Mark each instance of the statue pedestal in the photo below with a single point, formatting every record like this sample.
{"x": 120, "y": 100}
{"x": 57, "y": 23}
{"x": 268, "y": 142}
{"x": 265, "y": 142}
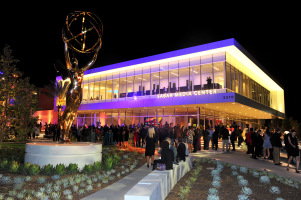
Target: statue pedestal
{"x": 81, "y": 153}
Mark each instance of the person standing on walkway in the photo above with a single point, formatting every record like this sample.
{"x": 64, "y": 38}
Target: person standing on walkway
{"x": 190, "y": 135}
{"x": 267, "y": 144}
{"x": 181, "y": 150}
{"x": 211, "y": 131}
{"x": 254, "y": 138}
{"x": 233, "y": 138}
{"x": 239, "y": 135}
{"x": 215, "y": 139}
{"x": 150, "y": 145}
{"x": 206, "y": 138}
{"x": 276, "y": 143}
{"x": 293, "y": 150}
{"x": 225, "y": 136}
{"x": 196, "y": 138}
{"x": 249, "y": 140}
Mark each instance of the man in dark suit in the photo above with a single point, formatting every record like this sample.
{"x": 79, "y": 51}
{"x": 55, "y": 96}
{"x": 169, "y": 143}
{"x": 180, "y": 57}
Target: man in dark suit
{"x": 254, "y": 143}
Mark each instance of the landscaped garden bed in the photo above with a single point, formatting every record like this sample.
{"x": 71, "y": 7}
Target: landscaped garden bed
{"x": 27, "y": 181}
{"x": 211, "y": 179}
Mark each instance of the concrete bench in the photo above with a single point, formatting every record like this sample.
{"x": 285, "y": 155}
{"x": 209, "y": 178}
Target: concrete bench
{"x": 157, "y": 184}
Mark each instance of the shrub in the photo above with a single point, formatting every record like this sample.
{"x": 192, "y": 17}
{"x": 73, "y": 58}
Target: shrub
{"x": 88, "y": 169}
{"x": 243, "y": 182}
{"x": 14, "y": 167}
{"x": 72, "y": 168}
{"x": 97, "y": 166}
{"x": 243, "y": 169}
{"x": 264, "y": 179}
{"x": 34, "y": 170}
{"x": 48, "y": 169}
{"x": 4, "y": 164}
{"x": 213, "y": 191}
{"x": 60, "y": 169}
{"x": 55, "y": 177}
{"x": 246, "y": 191}
{"x": 109, "y": 163}
{"x": 212, "y": 197}
{"x": 216, "y": 184}
{"x": 26, "y": 167}
{"x": 274, "y": 190}
{"x": 116, "y": 159}
{"x": 42, "y": 180}
{"x": 6, "y": 180}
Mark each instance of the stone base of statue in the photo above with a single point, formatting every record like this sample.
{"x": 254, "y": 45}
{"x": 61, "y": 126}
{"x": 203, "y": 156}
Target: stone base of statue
{"x": 80, "y": 153}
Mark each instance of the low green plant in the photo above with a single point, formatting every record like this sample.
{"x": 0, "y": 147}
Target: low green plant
{"x": 97, "y": 166}
{"x": 4, "y": 164}
{"x": 48, "y": 169}
{"x": 60, "y": 169}
{"x": 14, "y": 167}
{"x": 72, "y": 168}
{"x": 34, "y": 169}
{"x": 88, "y": 169}
{"x": 116, "y": 159}
{"x": 25, "y": 168}
{"x": 108, "y": 163}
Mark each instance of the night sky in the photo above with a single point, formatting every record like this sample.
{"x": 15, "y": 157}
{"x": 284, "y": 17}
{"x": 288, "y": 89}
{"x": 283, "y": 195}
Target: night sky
{"x": 271, "y": 33}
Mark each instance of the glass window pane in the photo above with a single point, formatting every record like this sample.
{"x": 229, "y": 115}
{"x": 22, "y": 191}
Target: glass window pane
{"x": 102, "y": 90}
{"x": 197, "y": 77}
{"x": 163, "y": 82}
{"x": 130, "y": 89}
{"x": 206, "y": 71}
{"x": 184, "y": 79}
{"x": 218, "y": 75}
{"x": 184, "y": 63}
{"x": 174, "y": 65}
{"x": 228, "y": 76}
{"x": 219, "y": 57}
{"x": 137, "y": 85}
{"x": 91, "y": 91}
{"x": 115, "y": 88}
{"x": 173, "y": 80}
{"x": 195, "y": 61}
{"x": 154, "y": 68}
{"x": 109, "y": 90}
{"x": 122, "y": 87}
{"x": 146, "y": 84}
{"x": 206, "y": 59}
{"x": 155, "y": 82}
{"x": 138, "y": 71}
{"x": 85, "y": 91}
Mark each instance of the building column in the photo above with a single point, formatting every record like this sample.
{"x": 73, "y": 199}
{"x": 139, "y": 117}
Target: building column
{"x": 118, "y": 121}
{"x": 198, "y": 117}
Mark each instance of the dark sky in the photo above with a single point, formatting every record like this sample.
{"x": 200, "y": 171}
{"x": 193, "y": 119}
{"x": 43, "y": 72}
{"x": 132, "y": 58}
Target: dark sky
{"x": 271, "y": 33}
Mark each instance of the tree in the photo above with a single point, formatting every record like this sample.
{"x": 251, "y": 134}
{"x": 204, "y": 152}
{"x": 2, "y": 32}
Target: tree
{"x": 18, "y": 99}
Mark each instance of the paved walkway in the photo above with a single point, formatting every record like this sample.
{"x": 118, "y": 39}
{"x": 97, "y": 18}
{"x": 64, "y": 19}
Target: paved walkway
{"x": 240, "y": 157}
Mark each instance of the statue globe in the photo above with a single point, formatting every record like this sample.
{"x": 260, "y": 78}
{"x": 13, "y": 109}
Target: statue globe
{"x": 83, "y": 32}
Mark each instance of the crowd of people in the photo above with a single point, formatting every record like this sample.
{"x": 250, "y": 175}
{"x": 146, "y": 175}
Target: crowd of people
{"x": 261, "y": 142}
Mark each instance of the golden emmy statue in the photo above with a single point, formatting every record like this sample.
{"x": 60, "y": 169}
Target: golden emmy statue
{"x": 82, "y": 34}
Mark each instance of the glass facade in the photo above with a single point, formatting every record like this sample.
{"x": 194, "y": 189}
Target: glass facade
{"x": 200, "y": 73}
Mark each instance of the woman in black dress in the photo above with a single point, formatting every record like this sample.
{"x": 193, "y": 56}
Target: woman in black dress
{"x": 293, "y": 150}
{"x": 150, "y": 145}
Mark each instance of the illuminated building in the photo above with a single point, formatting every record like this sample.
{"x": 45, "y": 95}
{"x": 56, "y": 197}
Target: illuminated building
{"x": 210, "y": 83}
